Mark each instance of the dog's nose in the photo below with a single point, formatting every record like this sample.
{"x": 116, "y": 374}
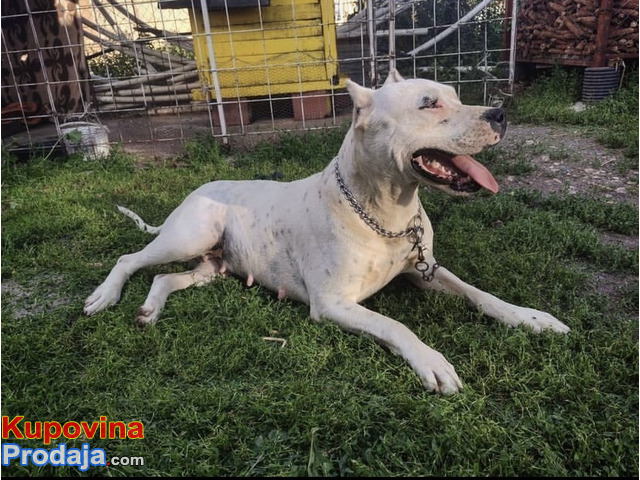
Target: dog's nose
{"x": 497, "y": 118}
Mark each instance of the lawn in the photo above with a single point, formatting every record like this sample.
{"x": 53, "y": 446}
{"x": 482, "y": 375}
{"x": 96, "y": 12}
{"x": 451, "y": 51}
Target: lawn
{"x": 217, "y": 399}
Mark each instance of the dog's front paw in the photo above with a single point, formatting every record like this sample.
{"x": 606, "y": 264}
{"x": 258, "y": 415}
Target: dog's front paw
{"x": 147, "y": 315}
{"x": 539, "y": 321}
{"x": 435, "y": 372}
{"x": 101, "y": 298}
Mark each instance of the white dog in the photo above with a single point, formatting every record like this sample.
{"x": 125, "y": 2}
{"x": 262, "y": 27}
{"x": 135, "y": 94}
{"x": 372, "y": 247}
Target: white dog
{"x": 335, "y": 238}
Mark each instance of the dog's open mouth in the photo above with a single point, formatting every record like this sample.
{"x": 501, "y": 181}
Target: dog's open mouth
{"x": 460, "y": 173}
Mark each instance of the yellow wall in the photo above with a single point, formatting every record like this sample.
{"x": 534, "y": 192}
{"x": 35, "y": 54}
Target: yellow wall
{"x": 287, "y": 47}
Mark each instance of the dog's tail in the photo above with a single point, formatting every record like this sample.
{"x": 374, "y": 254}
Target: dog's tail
{"x": 142, "y": 225}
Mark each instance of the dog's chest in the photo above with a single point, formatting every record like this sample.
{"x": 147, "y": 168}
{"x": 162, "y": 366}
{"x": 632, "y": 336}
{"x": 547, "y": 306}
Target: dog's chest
{"x": 367, "y": 269}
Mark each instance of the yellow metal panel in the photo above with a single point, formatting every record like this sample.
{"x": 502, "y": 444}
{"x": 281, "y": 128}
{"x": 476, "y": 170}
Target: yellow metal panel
{"x": 330, "y": 41}
{"x": 287, "y": 47}
{"x": 280, "y": 76}
{"x": 301, "y": 59}
{"x": 258, "y": 91}
{"x": 308, "y": 29}
{"x": 276, "y": 12}
{"x": 269, "y": 48}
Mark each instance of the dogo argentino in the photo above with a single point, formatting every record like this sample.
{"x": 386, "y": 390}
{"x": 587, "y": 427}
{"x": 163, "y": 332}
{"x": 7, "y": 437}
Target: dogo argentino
{"x": 335, "y": 238}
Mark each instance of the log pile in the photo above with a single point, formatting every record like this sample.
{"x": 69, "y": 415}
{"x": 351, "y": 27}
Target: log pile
{"x": 623, "y": 33}
{"x": 163, "y": 78}
{"x": 567, "y": 29}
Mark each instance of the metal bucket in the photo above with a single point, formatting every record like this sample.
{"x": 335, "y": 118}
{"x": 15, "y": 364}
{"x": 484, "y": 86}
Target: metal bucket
{"x": 93, "y": 139}
{"x": 599, "y": 83}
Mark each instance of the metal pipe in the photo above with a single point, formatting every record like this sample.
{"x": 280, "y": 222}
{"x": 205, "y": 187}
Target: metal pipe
{"x": 392, "y": 34}
{"x": 371, "y": 24}
{"x": 452, "y": 28}
{"x": 213, "y": 69}
{"x": 512, "y": 46}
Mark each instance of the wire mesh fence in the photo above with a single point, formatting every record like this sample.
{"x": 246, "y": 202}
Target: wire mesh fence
{"x": 155, "y": 73}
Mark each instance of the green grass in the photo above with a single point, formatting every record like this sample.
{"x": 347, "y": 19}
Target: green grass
{"x": 613, "y": 121}
{"x": 217, "y": 399}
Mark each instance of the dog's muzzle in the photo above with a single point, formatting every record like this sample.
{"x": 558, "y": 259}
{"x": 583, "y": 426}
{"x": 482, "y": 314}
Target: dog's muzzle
{"x": 461, "y": 173}
{"x": 497, "y": 119}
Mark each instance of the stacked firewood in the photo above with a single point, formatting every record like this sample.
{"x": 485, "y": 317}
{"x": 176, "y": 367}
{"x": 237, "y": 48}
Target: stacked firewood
{"x": 623, "y": 33}
{"x": 568, "y": 28}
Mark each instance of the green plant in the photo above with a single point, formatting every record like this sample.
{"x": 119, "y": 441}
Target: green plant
{"x": 114, "y": 64}
{"x": 613, "y": 120}
{"x": 74, "y": 136}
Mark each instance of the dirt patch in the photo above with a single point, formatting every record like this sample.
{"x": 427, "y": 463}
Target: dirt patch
{"x": 565, "y": 161}
{"x": 37, "y": 296}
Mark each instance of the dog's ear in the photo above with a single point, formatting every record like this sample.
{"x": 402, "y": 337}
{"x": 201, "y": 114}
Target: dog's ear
{"x": 394, "y": 77}
{"x": 362, "y": 99}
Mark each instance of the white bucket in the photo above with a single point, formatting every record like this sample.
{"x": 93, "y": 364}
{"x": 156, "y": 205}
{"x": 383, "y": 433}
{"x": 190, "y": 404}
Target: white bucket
{"x": 93, "y": 141}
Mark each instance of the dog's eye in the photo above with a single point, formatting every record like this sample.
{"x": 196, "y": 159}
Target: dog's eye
{"x": 428, "y": 102}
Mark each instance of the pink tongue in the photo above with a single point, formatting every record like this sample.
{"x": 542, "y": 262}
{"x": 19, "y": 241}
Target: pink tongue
{"x": 477, "y": 171}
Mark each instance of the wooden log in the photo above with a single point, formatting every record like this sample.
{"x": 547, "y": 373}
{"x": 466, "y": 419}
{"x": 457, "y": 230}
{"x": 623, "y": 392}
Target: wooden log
{"x": 143, "y": 26}
{"x": 185, "y": 77}
{"x": 110, "y": 107}
{"x": 588, "y": 21}
{"x": 139, "y": 51}
{"x": 625, "y": 12}
{"x": 620, "y": 32}
{"x": 110, "y": 35}
{"x": 106, "y": 88}
{"x": 105, "y": 13}
{"x": 152, "y": 78}
{"x": 152, "y": 90}
{"x": 573, "y": 28}
{"x": 556, "y": 7}
{"x": 556, "y": 35}
{"x": 138, "y": 100}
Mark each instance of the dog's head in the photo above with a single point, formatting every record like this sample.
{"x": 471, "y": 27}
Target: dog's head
{"x": 427, "y": 132}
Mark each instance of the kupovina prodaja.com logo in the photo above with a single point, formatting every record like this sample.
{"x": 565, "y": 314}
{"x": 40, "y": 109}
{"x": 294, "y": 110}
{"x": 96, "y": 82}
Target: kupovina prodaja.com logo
{"x": 61, "y": 455}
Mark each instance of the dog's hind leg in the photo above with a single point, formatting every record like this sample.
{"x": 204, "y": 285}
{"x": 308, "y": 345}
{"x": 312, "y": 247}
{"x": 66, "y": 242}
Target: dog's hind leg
{"x": 165, "y": 284}
{"x": 191, "y": 231}
{"x": 108, "y": 293}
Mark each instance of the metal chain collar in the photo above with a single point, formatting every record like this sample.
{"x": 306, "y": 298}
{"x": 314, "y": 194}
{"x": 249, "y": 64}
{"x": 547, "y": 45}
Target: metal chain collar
{"x": 415, "y": 232}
